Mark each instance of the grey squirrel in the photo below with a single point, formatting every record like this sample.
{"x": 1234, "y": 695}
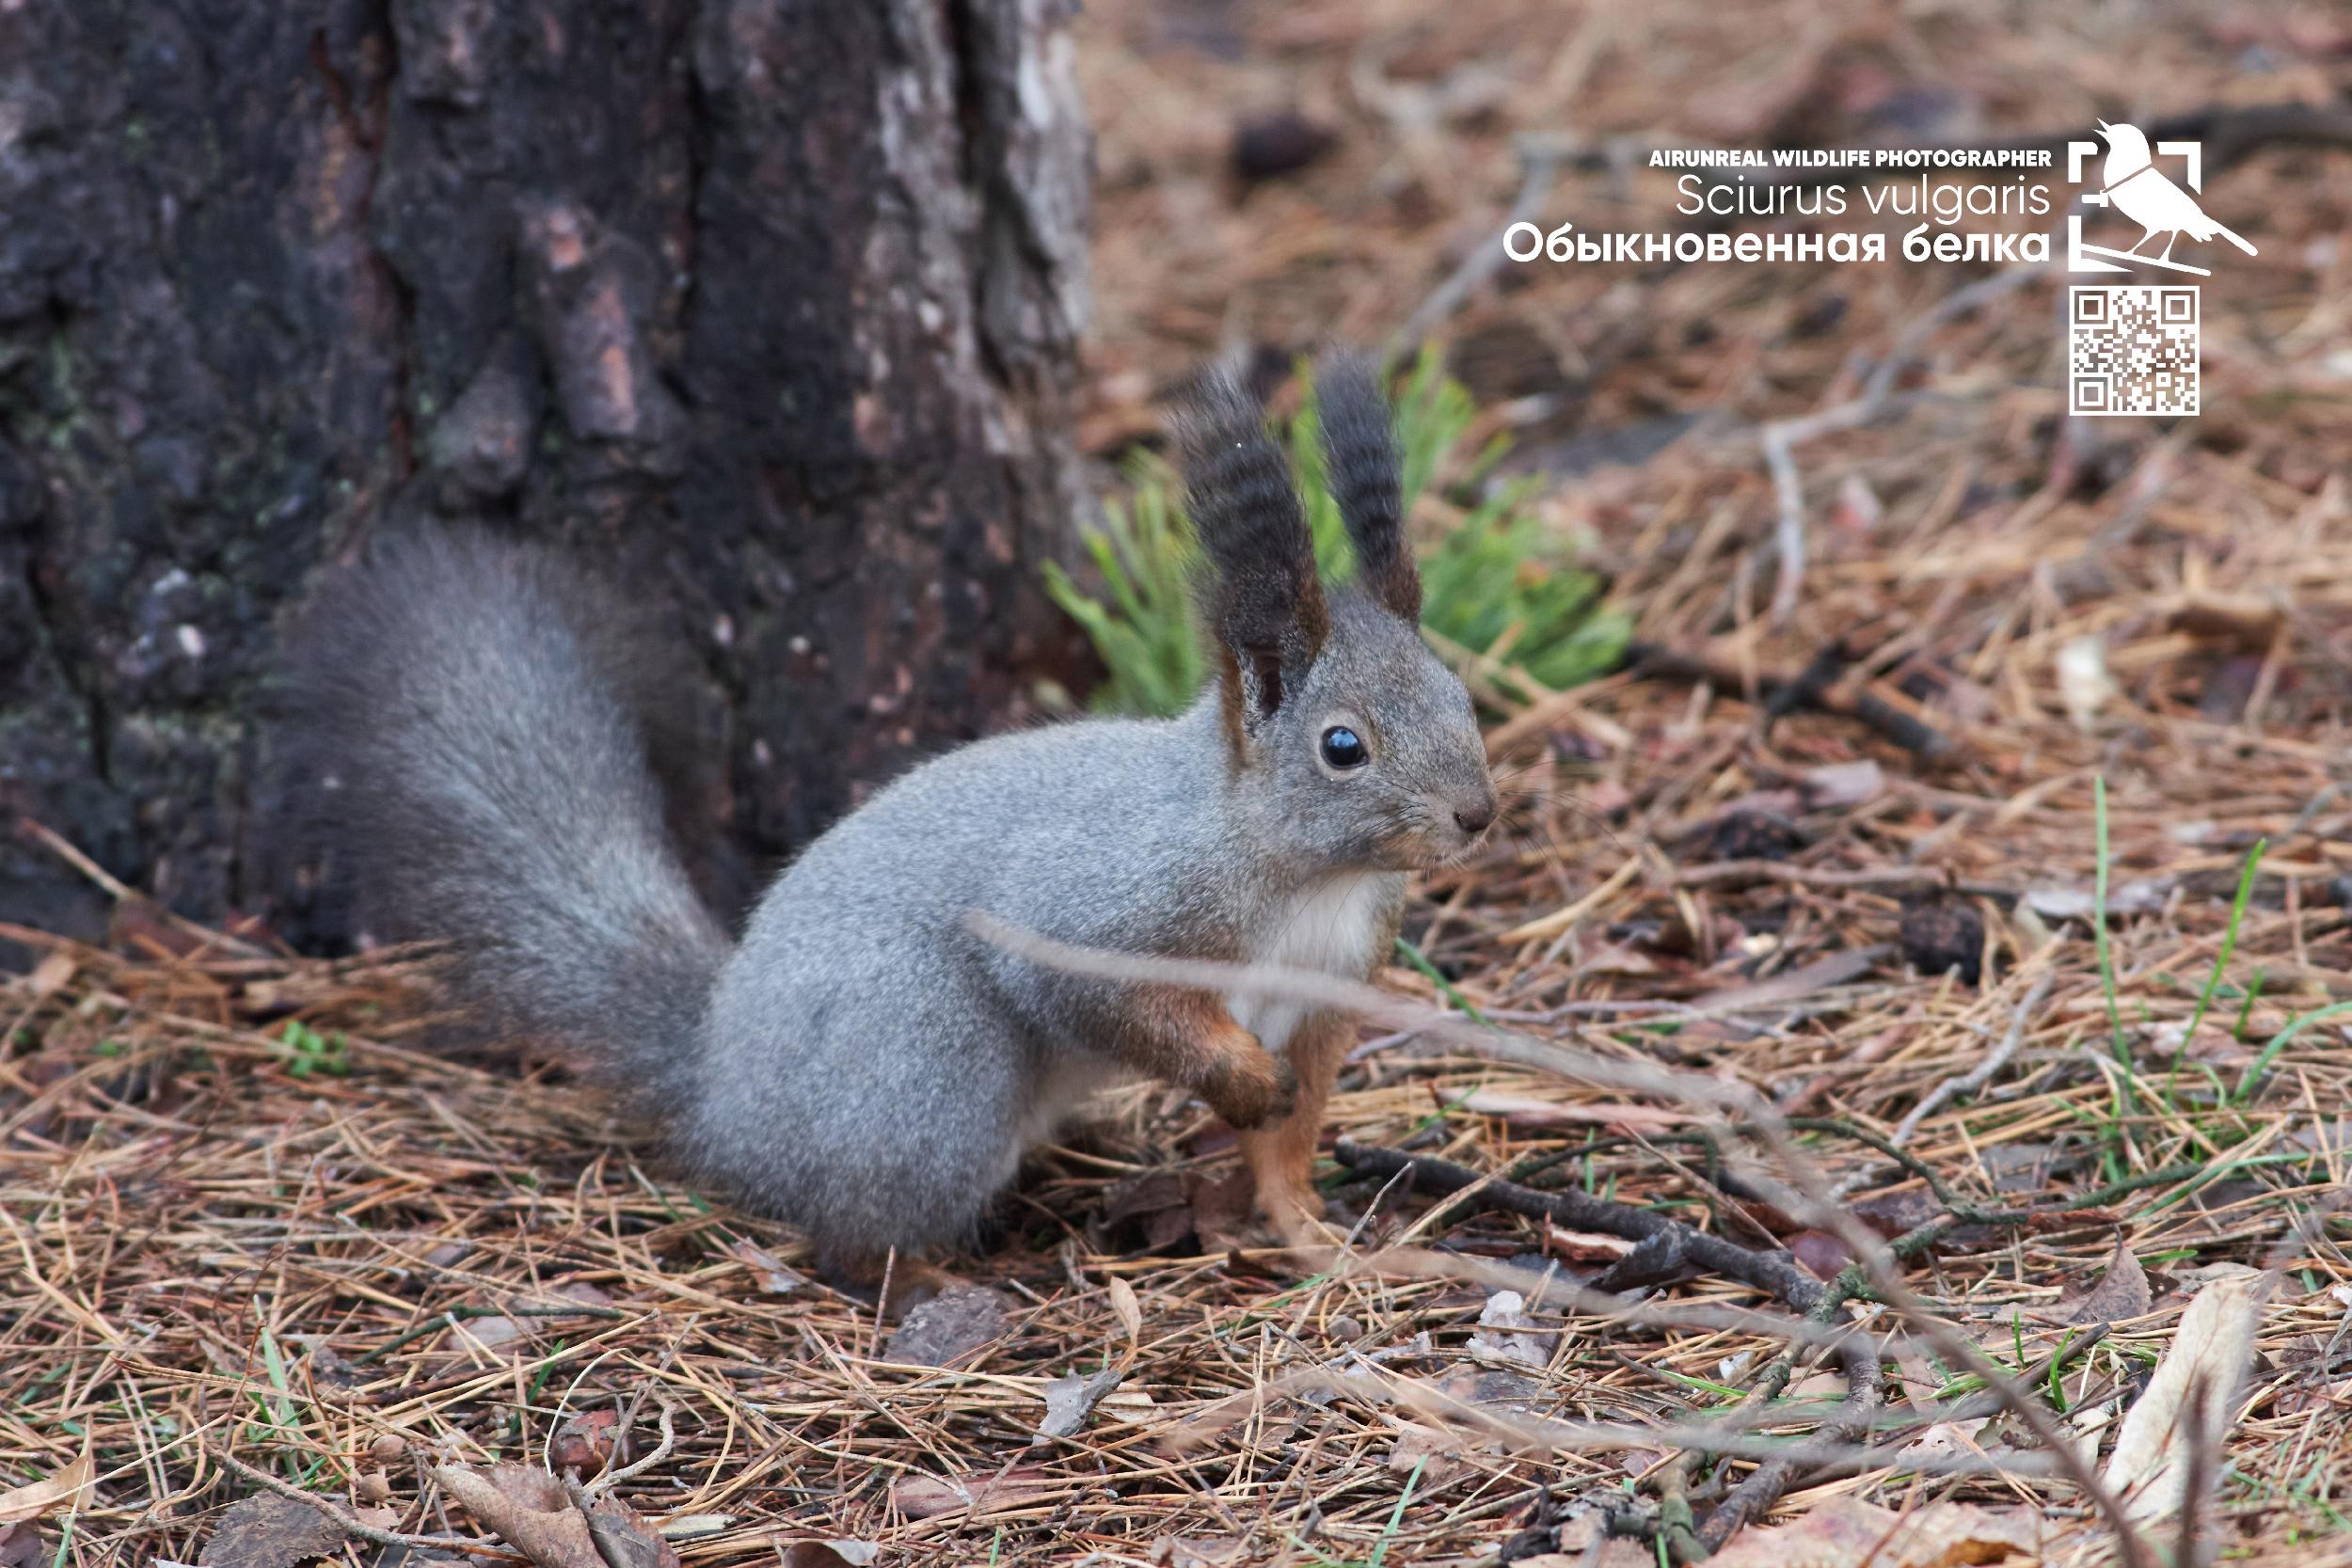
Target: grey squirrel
{"x": 478, "y": 735}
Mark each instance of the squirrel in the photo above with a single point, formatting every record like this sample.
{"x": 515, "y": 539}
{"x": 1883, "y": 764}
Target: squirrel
{"x": 480, "y": 744}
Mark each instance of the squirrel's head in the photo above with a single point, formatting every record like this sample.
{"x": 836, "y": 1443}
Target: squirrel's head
{"x": 1367, "y": 744}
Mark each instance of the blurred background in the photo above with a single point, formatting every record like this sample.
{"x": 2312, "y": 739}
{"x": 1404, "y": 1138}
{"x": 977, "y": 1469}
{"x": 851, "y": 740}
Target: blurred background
{"x": 834, "y": 328}
{"x": 1764, "y": 465}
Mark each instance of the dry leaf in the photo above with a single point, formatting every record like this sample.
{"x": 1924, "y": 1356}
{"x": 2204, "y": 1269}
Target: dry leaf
{"x": 1130, "y": 1310}
{"x": 51, "y": 975}
{"x": 1165, "y": 1228}
{"x": 525, "y": 1507}
{"x": 1506, "y": 1310}
{"x": 1221, "y": 1210}
{"x": 1437, "y": 1453}
{"x": 1068, "y": 1400}
{"x": 21, "y": 1546}
{"x": 1896, "y": 1213}
{"x": 1943, "y": 1440}
{"x": 67, "y": 1490}
{"x": 2212, "y": 1348}
{"x": 529, "y": 1510}
{"x": 1186, "y": 1551}
{"x": 1498, "y": 1388}
{"x": 831, "y": 1554}
{"x": 2303, "y": 1401}
{"x": 2141, "y": 896}
{"x": 920, "y": 1496}
{"x": 2121, "y": 1293}
{"x": 1843, "y": 784}
{"x": 1612, "y": 957}
{"x": 583, "y": 1443}
{"x": 1848, "y": 1532}
{"x": 949, "y": 1326}
{"x": 1821, "y": 1254}
{"x": 770, "y": 1271}
{"x": 483, "y": 1334}
{"x": 495, "y": 1332}
{"x": 266, "y": 1531}
{"x": 2084, "y": 685}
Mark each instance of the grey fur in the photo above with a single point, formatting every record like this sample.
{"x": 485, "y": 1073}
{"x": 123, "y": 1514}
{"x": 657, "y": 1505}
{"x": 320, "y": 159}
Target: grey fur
{"x": 862, "y": 1064}
{"x": 468, "y": 727}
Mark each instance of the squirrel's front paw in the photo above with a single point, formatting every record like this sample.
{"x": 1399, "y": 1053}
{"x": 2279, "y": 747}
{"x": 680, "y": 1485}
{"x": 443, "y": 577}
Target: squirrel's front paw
{"x": 1285, "y": 1090}
{"x": 1252, "y": 1088}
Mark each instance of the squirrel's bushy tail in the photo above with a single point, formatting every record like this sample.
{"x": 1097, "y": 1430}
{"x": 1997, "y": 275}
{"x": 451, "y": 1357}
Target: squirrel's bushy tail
{"x": 464, "y": 725}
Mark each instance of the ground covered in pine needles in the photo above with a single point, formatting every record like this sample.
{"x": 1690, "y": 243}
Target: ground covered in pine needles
{"x": 251, "y": 1228}
{"x": 1937, "y": 885}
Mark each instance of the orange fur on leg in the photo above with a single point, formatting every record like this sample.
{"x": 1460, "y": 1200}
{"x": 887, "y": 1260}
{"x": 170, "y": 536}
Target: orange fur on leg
{"x": 1180, "y": 1036}
{"x": 1280, "y": 1156}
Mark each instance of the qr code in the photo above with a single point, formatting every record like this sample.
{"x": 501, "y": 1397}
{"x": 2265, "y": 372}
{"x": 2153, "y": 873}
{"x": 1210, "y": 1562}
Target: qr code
{"x": 2131, "y": 349}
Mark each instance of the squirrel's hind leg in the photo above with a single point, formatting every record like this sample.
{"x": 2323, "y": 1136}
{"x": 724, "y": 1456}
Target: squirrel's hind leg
{"x": 893, "y": 1283}
{"x": 1280, "y": 1155}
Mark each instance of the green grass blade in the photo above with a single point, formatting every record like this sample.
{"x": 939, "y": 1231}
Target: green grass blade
{"x": 2099, "y": 923}
{"x": 2278, "y": 1042}
{"x": 1396, "y": 1516}
{"x": 1446, "y": 989}
{"x": 2221, "y": 959}
{"x": 2228, "y": 937}
{"x": 1498, "y": 569}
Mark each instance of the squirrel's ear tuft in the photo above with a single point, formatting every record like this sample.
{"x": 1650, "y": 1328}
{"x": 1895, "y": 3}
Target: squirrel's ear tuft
{"x": 1267, "y": 606}
{"x": 1359, "y": 459}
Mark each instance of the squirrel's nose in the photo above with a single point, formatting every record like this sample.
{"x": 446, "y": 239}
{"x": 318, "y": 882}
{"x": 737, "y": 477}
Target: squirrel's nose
{"x": 1477, "y": 819}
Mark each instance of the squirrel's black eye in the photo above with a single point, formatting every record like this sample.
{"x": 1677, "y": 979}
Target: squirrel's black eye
{"x": 1344, "y": 748}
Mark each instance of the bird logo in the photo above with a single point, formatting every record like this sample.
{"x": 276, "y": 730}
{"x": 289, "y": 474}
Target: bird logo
{"x": 2133, "y": 348}
{"x": 2130, "y": 182}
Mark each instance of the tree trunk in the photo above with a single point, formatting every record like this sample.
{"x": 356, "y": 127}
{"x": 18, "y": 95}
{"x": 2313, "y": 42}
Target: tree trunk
{"x": 772, "y": 305}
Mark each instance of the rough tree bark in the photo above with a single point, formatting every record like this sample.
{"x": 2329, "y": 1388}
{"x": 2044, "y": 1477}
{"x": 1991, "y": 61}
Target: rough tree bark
{"x": 773, "y": 304}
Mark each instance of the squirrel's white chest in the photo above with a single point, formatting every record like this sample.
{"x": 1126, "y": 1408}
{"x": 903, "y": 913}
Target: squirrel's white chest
{"x": 1333, "y": 927}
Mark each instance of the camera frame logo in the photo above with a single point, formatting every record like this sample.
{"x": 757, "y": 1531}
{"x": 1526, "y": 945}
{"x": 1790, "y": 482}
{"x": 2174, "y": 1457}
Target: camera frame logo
{"x": 2133, "y": 349}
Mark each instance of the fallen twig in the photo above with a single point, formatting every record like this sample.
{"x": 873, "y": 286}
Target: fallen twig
{"x": 1861, "y": 706}
{"x": 1765, "y": 1484}
{"x": 1981, "y": 1075}
{"x": 1874, "y": 1268}
{"x": 448, "y": 1318}
{"x": 347, "y": 1521}
{"x": 1665, "y": 1246}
